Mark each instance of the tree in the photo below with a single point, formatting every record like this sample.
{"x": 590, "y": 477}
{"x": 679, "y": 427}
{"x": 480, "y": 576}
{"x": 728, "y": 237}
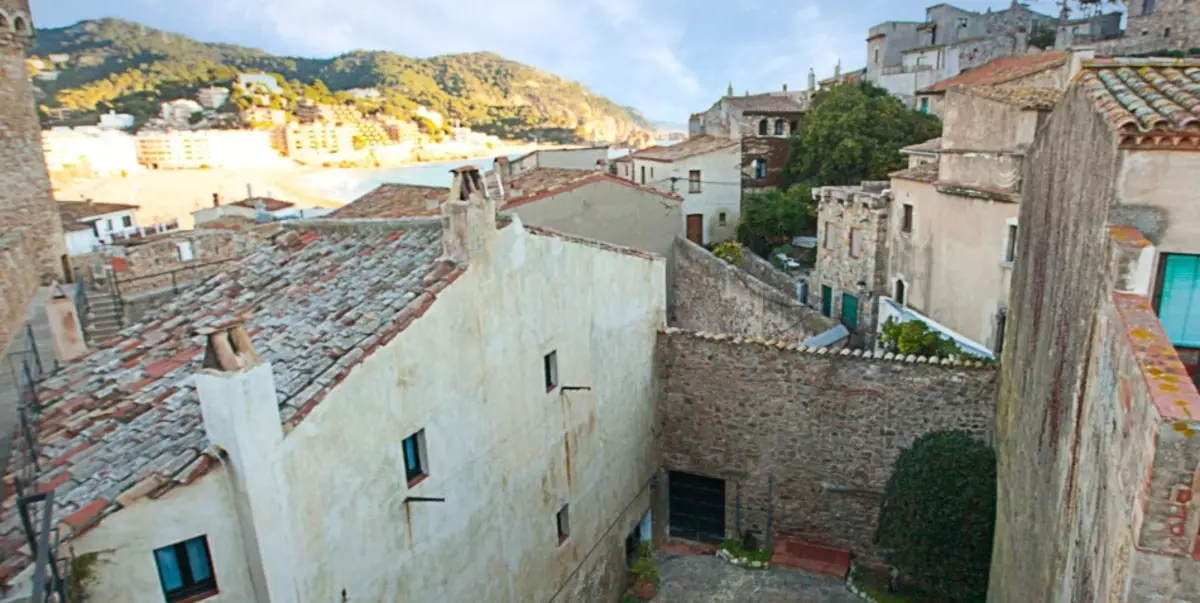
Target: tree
{"x": 1042, "y": 36}
{"x": 938, "y": 515}
{"x": 913, "y": 337}
{"x": 773, "y": 217}
{"x": 854, "y": 132}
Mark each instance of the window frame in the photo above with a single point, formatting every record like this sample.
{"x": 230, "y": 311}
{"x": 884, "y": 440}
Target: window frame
{"x": 562, "y": 520}
{"x": 550, "y": 370}
{"x": 127, "y": 221}
{"x": 191, "y": 589}
{"x": 850, "y": 246}
{"x": 1010, "y": 243}
{"x": 906, "y": 218}
{"x": 762, "y": 127}
{"x": 779, "y": 126}
{"x": 760, "y": 168}
{"x": 722, "y": 219}
{"x": 900, "y": 292}
{"x": 694, "y": 181}
{"x": 420, "y": 471}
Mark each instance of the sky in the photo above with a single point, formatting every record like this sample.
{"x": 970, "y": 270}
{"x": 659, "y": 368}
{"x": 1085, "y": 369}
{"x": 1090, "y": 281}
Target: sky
{"x": 668, "y": 58}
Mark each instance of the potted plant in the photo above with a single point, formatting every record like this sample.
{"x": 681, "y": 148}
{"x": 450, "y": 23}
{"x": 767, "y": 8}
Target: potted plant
{"x": 643, "y": 575}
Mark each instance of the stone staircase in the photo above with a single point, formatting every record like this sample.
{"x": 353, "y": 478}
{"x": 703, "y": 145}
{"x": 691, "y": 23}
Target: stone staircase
{"x": 103, "y": 320}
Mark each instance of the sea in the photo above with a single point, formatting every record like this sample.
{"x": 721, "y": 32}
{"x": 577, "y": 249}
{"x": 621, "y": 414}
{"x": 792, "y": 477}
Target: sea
{"x": 347, "y": 185}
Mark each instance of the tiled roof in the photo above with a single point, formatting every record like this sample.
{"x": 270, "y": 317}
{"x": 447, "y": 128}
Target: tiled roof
{"x": 72, "y": 212}
{"x": 228, "y": 223}
{"x": 540, "y": 183}
{"x": 125, "y": 421}
{"x": 926, "y": 172}
{"x": 269, "y": 204}
{"x": 765, "y": 103}
{"x": 932, "y": 145}
{"x": 1042, "y": 99}
{"x": 1139, "y": 96}
{"x": 688, "y": 148}
{"x": 1001, "y": 70}
{"x": 394, "y": 201}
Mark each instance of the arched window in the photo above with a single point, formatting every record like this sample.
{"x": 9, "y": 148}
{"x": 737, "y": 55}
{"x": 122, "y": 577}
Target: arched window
{"x": 760, "y": 168}
{"x": 794, "y": 125}
{"x": 779, "y": 127}
{"x": 899, "y": 292}
{"x": 762, "y": 128}
{"x": 19, "y": 25}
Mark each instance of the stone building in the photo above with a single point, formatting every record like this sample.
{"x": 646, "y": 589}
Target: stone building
{"x": 583, "y": 158}
{"x": 763, "y": 123}
{"x": 369, "y": 410}
{"x": 26, "y": 201}
{"x": 1098, "y": 412}
{"x": 1154, "y": 26}
{"x": 852, "y": 255}
{"x": 1038, "y": 70}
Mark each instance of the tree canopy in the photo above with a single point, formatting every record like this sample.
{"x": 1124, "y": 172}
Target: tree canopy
{"x": 773, "y": 217}
{"x": 853, "y": 133}
{"x": 939, "y": 514}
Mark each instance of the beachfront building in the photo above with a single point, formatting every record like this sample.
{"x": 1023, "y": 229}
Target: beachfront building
{"x": 319, "y": 141}
{"x": 370, "y": 370}
{"x": 89, "y": 151}
{"x": 193, "y": 149}
{"x": 88, "y": 225}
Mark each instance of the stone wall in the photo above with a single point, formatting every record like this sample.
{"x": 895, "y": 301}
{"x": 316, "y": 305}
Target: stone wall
{"x": 826, "y": 427}
{"x": 26, "y": 201}
{"x": 1149, "y": 33}
{"x": 713, "y": 295}
{"x": 766, "y": 272}
{"x": 772, "y": 149}
{"x": 18, "y": 284}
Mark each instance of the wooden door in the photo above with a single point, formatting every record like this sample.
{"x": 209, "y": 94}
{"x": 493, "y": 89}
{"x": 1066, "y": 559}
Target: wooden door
{"x": 695, "y": 228}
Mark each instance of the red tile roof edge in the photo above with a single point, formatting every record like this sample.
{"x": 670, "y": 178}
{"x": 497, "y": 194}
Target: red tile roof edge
{"x": 1058, "y": 60}
{"x": 622, "y": 249}
{"x": 599, "y": 177}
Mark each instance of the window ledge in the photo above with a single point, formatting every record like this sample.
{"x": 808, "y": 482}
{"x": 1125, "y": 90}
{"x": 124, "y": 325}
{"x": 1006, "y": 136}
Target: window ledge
{"x": 200, "y": 597}
{"x": 551, "y": 388}
{"x": 562, "y": 539}
{"x": 418, "y": 479}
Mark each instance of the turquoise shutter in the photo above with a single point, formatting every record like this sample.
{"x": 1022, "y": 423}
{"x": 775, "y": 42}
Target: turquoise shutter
{"x": 1179, "y": 306}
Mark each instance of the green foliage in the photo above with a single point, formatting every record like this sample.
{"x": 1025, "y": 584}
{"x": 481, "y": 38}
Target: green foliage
{"x": 730, "y": 251}
{"x": 938, "y": 514}
{"x": 745, "y": 550}
{"x": 854, "y": 132}
{"x": 915, "y": 338}
{"x": 773, "y": 217}
{"x": 113, "y": 60}
{"x": 82, "y": 573}
{"x": 643, "y": 569}
{"x": 1042, "y": 36}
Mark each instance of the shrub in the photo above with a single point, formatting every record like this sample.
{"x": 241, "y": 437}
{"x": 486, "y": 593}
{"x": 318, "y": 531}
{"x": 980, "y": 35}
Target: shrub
{"x": 730, "y": 251}
{"x": 916, "y": 338}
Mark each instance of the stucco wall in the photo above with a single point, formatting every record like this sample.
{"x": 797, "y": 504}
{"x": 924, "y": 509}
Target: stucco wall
{"x": 827, "y": 428}
{"x": 610, "y": 212}
{"x": 952, "y": 263}
{"x": 720, "y": 189}
{"x": 1056, "y": 285}
{"x": 713, "y": 295}
{"x": 502, "y": 451}
{"x": 124, "y": 569}
{"x": 576, "y": 159}
{"x": 1167, "y": 181}
{"x": 978, "y": 124}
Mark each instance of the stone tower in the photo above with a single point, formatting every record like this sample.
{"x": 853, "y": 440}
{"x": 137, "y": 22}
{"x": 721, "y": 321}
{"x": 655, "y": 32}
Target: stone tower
{"x": 26, "y": 201}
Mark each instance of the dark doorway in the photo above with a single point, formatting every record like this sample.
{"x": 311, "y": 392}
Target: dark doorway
{"x": 695, "y": 228}
{"x": 697, "y": 507}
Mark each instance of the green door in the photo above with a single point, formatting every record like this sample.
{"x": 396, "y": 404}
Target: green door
{"x": 849, "y": 311}
{"x": 826, "y": 301}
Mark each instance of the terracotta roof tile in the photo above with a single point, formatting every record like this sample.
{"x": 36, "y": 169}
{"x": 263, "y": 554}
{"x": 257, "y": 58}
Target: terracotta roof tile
{"x": 932, "y": 145}
{"x": 1042, "y": 99}
{"x": 395, "y": 201}
{"x": 765, "y": 103}
{"x": 1145, "y": 95}
{"x": 321, "y": 301}
{"x": 540, "y": 183}
{"x": 688, "y": 148}
{"x": 1001, "y": 70}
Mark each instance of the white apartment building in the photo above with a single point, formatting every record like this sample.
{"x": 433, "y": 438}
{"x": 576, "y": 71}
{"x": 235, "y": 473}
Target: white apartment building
{"x": 193, "y": 149}
{"x": 89, "y": 151}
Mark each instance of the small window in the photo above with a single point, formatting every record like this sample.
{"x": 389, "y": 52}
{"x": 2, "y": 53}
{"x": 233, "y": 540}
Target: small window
{"x": 899, "y": 293}
{"x": 832, "y": 234}
{"x": 414, "y": 458}
{"x": 794, "y": 124}
{"x": 108, "y": 225}
{"x": 779, "y": 127}
{"x": 564, "y": 523}
{"x": 760, "y": 169}
{"x": 925, "y": 104}
{"x": 1001, "y": 323}
{"x": 127, "y": 221}
{"x": 694, "y": 181}
{"x": 185, "y": 569}
{"x": 1167, "y": 32}
{"x": 185, "y": 250}
{"x": 721, "y": 219}
{"x": 651, "y": 173}
{"x": 876, "y": 61}
{"x": 643, "y": 174}
{"x": 856, "y": 235}
{"x": 906, "y": 223}
{"x": 762, "y": 127}
{"x": 1010, "y": 246}
{"x": 550, "y": 368}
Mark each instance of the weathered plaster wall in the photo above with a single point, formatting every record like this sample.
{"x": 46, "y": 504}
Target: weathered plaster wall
{"x": 713, "y": 295}
{"x": 575, "y": 159}
{"x": 973, "y": 123}
{"x": 125, "y": 571}
{"x": 1166, "y": 181}
{"x": 502, "y": 451}
{"x": 952, "y": 263}
{"x": 1061, "y": 244}
{"x": 744, "y": 412}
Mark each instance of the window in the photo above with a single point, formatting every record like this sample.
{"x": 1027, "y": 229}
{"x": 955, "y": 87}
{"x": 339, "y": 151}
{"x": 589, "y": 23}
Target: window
{"x": 127, "y": 221}
{"x": 185, "y": 250}
{"x": 856, "y": 235}
{"x": 827, "y": 301}
{"x": 760, "y": 169}
{"x": 564, "y": 524}
{"x": 1001, "y": 323}
{"x": 651, "y": 172}
{"x": 832, "y": 233}
{"x": 925, "y": 104}
{"x": 762, "y": 128}
{"x": 185, "y": 569}
{"x": 1179, "y": 298}
{"x": 414, "y": 458}
{"x": 898, "y": 292}
{"x": 643, "y": 174}
{"x": 1010, "y": 245}
{"x": 694, "y": 181}
{"x": 906, "y": 223}
{"x": 779, "y": 127}
{"x": 1167, "y": 32}
{"x": 721, "y": 221}
{"x": 876, "y": 61}
{"x": 108, "y": 225}
{"x": 550, "y": 368}
{"x": 794, "y": 124}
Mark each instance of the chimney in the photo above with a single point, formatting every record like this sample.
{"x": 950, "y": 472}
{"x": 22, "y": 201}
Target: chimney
{"x": 812, "y": 80}
{"x": 216, "y": 200}
{"x": 66, "y": 335}
{"x": 240, "y": 408}
{"x": 468, "y": 216}
{"x": 837, "y": 70}
{"x": 1079, "y": 56}
{"x": 785, "y": 86}
{"x": 431, "y": 202}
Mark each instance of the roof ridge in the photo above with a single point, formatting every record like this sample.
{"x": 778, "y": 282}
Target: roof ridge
{"x": 827, "y": 352}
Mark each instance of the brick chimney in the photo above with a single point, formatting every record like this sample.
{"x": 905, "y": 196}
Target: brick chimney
{"x": 241, "y": 419}
{"x": 468, "y": 216}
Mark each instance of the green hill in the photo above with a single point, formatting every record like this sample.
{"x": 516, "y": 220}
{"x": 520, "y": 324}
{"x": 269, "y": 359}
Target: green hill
{"x": 121, "y": 65}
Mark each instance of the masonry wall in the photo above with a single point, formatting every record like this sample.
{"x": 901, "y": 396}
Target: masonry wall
{"x": 18, "y": 283}
{"x": 1061, "y": 244}
{"x": 766, "y": 272}
{"x": 772, "y": 149}
{"x": 841, "y": 270}
{"x": 826, "y": 428}
{"x": 713, "y": 295}
{"x": 504, "y": 453}
{"x": 1148, "y": 33}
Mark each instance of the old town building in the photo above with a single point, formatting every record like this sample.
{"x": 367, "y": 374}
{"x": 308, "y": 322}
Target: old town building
{"x": 1154, "y": 26}
{"x": 1037, "y": 70}
{"x": 763, "y": 123}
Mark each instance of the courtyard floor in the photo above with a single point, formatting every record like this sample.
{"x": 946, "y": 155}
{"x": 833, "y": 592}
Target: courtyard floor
{"x": 707, "y": 579}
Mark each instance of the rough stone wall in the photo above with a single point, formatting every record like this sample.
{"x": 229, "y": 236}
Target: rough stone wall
{"x": 841, "y": 211}
{"x": 826, "y": 427}
{"x": 18, "y": 283}
{"x": 1055, "y": 289}
{"x": 767, "y": 273}
{"x": 772, "y": 149}
{"x": 713, "y": 295}
{"x": 26, "y": 201}
{"x": 1148, "y": 33}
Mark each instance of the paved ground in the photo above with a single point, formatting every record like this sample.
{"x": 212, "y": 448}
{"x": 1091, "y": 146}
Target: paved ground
{"x": 707, "y": 579}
